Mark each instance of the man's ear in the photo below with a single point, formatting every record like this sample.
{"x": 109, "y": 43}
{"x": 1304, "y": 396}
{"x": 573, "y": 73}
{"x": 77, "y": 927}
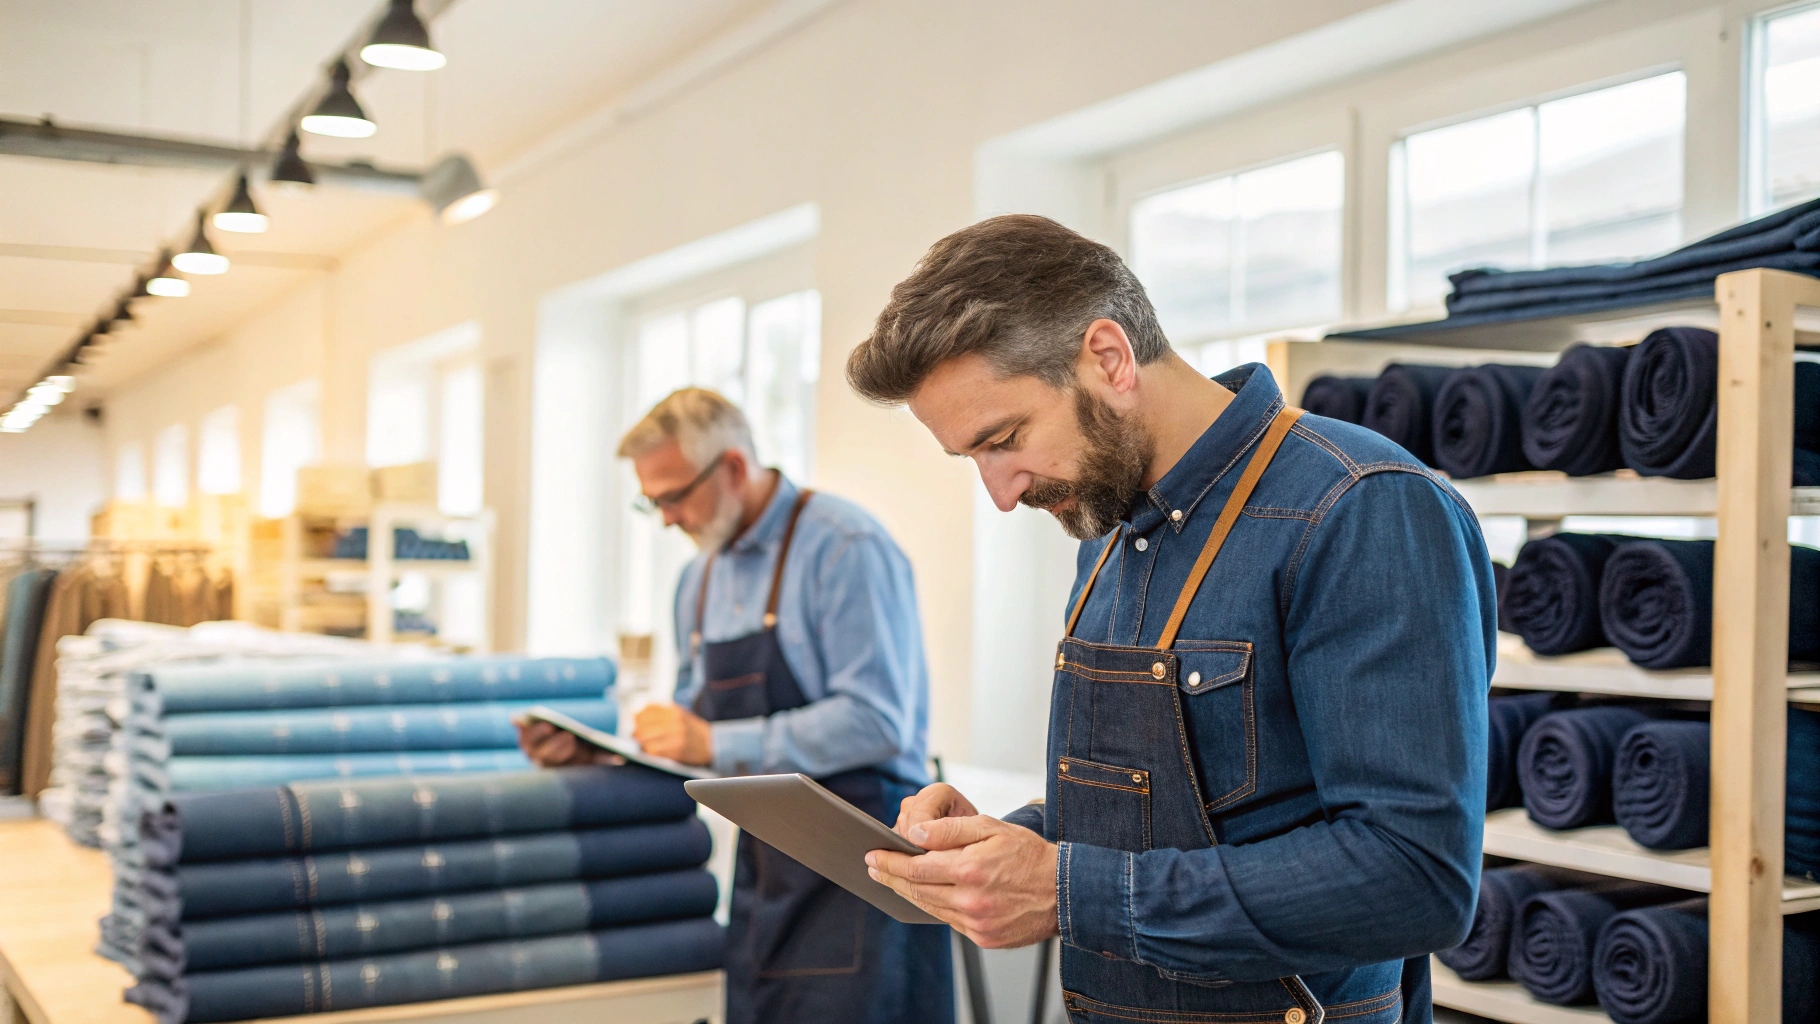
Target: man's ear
{"x": 737, "y": 463}
{"x": 1106, "y": 357}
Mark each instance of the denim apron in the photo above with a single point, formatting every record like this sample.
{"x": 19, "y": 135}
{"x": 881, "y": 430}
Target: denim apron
{"x": 1122, "y": 778}
{"x": 799, "y": 947}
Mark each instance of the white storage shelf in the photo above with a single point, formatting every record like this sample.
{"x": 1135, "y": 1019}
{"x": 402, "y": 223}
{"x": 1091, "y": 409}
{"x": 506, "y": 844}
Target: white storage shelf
{"x": 1504, "y": 1000}
{"x": 1607, "y": 670}
{"x": 1547, "y": 495}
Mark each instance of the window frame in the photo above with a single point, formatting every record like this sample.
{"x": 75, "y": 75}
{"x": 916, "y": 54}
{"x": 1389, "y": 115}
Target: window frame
{"x": 1754, "y": 197}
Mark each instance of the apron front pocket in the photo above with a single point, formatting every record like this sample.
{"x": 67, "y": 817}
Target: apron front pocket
{"x": 1219, "y": 710}
{"x": 1102, "y": 805}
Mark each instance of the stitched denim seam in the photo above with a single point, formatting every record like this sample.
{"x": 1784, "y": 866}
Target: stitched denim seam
{"x": 1292, "y": 571}
{"x": 1103, "y": 785}
{"x": 1172, "y": 1016}
{"x": 1130, "y": 906}
{"x": 1064, "y": 924}
{"x": 1374, "y": 1004}
{"x": 1250, "y": 785}
{"x": 1244, "y": 448}
{"x": 1194, "y": 777}
{"x": 1153, "y": 556}
{"x": 1315, "y": 437}
{"x": 1270, "y": 512}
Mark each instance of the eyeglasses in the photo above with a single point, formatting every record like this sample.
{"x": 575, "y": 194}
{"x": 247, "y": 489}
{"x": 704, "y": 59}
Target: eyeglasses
{"x": 652, "y": 506}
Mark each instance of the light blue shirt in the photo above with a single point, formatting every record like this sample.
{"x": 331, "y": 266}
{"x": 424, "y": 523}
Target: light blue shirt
{"x": 848, "y": 627}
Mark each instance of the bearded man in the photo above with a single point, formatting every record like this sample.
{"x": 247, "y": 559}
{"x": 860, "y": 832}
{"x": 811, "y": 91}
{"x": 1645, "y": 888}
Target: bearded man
{"x": 1267, "y": 730}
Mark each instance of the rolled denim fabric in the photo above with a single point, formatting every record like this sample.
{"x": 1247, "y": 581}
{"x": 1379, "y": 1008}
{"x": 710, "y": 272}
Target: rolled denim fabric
{"x": 1485, "y": 955}
{"x": 1553, "y": 942}
{"x": 1570, "y": 422}
{"x": 1402, "y": 406}
{"x": 1655, "y": 601}
{"x": 252, "y": 686}
{"x": 366, "y": 929}
{"x": 671, "y": 947}
{"x": 1500, "y": 578}
{"x": 1478, "y": 420}
{"x": 1554, "y": 592}
{"x": 1650, "y": 965}
{"x": 1508, "y": 719}
{"x": 1802, "y": 823}
{"x": 1340, "y": 398}
{"x": 311, "y": 816}
{"x": 1565, "y": 764}
{"x": 1662, "y": 784}
{"x": 476, "y": 725}
{"x": 199, "y": 774}
{"x": 194, "y": 892}
{"x": 1668, "y": 422}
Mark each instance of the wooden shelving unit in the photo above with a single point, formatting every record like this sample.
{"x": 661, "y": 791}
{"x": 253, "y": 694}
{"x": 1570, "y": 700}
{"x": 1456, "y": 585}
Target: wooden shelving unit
{"x": 1761, "y": 316}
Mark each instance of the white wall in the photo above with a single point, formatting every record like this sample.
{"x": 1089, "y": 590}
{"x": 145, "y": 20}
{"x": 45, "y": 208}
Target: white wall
{"x": 58, "y": 463}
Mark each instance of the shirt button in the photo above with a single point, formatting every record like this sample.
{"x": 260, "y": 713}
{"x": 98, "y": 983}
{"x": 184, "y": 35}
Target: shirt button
{"x": 1141, "y": 544}
{"x": 1176, "y": 516}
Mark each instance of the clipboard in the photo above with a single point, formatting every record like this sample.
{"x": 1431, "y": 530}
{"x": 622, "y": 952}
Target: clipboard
{"x": 628, "y": 749}
{"x": 824, "y": 833}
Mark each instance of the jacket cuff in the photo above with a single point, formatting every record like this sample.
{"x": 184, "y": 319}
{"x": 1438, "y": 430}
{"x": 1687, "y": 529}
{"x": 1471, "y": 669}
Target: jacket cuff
{"x": 739, "y": 745}
{"x": 1093, "y": 900}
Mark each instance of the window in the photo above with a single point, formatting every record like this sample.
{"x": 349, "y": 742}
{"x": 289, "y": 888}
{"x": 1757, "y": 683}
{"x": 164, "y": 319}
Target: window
{"x": 426, "y": 403}
{"x": 461, "y": 440}
{"x": 1785, "y": 112}
{"x": 171, "y": 466}
{"x": 1590, "y": 178}
{"x": 129, "y": 472}
{"x": 1242, "y": 253}
{"x": 290, "y": 440}
{"x": 218, "y": 452}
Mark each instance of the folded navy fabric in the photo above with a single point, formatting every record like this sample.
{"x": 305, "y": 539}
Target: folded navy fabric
{"x": 671, "y": 947}
{"x": 192, "y": 892}
{"x": 476, "y": 725}
{"x": 1500, "y": 578}
{"x": 1650, "y": 965}
{"x": 1662, "y": 784}
{"x": 1402, "y": 406}
{"x": 366, "y": 929}
{"x": 311, "y": 816}
{"x": 1697, "y": 282}
{"x": 1565, "y": 764}
{"x": 1802, "y": 826}
{"x": 1340, "y": 398}
{"x": 1553, "y": 942}
{"x": 250, "y": 686}
{"x": 1656, "y": 602}
{"x": 1570, "y": 422}
{"x": 1508, "y": 719}
{"x": 1668, "y": 423}
{"x": 198, "y": 774}
{"x": 1554, "y": 592}
{"x": 1478, "y": 420}
{"x": 1485, "y": 955}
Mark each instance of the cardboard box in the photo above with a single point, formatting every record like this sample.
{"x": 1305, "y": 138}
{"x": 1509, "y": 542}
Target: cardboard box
{"x": 412, "y": 483}
{"x": 333, "y": 490}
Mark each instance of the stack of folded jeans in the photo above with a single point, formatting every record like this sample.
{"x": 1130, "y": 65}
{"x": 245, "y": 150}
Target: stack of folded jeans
{"x": 337, "y": 895}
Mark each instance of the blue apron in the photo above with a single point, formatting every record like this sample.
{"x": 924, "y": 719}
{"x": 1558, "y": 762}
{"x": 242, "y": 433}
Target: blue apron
{"x": 1121, "y": 777}
{"x": 799, "y": 947}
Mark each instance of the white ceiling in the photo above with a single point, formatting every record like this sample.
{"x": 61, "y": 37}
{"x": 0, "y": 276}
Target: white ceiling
{"x": 68, "y": 231}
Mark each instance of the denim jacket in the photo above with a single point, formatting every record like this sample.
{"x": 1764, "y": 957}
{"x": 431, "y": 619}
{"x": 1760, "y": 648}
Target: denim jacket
{"x": 1348, "y": 630}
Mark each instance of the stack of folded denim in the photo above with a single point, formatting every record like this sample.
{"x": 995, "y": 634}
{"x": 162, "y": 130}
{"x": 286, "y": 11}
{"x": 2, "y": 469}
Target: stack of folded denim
{"x": 406, "y": 544}
{"x": 338, "y": 895}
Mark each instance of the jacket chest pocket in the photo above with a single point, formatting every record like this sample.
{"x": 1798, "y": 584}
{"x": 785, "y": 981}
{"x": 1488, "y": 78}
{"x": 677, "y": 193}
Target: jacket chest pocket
{"x": 1102, "y": 805}
{"x": 1219, "y": 713}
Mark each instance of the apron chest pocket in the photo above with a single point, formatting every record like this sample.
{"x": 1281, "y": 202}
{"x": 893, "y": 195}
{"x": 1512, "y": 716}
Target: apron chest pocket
{"x": 1219, "y": 709}
{"x": 1102, "y": 804}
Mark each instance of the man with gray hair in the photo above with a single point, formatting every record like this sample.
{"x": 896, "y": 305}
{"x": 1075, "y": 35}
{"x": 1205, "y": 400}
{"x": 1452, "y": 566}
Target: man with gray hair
{"x": 801, "y": 651}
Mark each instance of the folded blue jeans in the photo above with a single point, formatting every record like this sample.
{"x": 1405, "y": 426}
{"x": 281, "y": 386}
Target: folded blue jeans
{"x": 476, "y": 725}
{"x": 250, "y": 686}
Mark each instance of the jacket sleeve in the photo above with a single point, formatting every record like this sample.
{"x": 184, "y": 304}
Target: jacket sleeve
{"x": 1390, "y": 640}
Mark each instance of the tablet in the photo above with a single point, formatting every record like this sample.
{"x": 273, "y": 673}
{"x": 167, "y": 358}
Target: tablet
{"x": 824, "y": 833}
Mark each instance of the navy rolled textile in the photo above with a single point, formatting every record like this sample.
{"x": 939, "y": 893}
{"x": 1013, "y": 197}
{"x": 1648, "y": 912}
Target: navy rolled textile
{"x": 1565, "y": 764}
{"x": 1402, "y": 406}
{"x": 1650, "y": 965}
{"x": 1553, "y": 942}
{"x": 311, "y": 816}
{"x": 1500, "y": 577}
{"x": 1554, "y": 592}
{"x": 1508, "y": 719}
{"x": 1656, "y": 602}
{"x": 1340, "y": 398}
{"x": 670, "y": 947}
{"x": 195, "y": 891}
{"x": 1802, "y": 822}
{"x": 1485, "y": 955}
{"x": 365, "y": 929}
{"x": 1478, "y": 420}
{"x": 1668, "y": 424}
{"x": 1662, "y": 784}
{"x": 1570, "y": 422}
{"x": 269, "y": 685}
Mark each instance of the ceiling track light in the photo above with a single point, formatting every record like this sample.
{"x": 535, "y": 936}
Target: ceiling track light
{"x": 199, "y": 257}
{"x": 338, "y": 113}
{"x": 240, "y": 214}
{"x": 454, "y": 189}
{"x": 400, "y": 41}
{"x": 289, "y": 170}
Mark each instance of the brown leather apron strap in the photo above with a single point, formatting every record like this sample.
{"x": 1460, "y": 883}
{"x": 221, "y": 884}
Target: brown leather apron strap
{"x": 1081, "y": 602}
{"x": 1229, "y": 516}
{"x": 777, "y": 576}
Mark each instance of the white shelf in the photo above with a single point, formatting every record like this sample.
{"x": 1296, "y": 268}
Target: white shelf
{"x": 1607, "y": 670}
{"x": 1607, "y": 850}
{"x": 359, "y": 566}
{"x": 1549, "y": 495}
{"x": 1553, "y": 333}
{"x": 1503, "y": 1000}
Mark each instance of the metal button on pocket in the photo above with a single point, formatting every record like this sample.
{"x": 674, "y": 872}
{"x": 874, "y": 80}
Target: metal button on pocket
{"x": 1295, "y": 1016}
{"x": 1194, "y": 679}
{"x": 1141, "y": 544}
{"x": 1158, "y": 671}
{"x": 1176, "y": 516}
{"x": 1060, "y": 660}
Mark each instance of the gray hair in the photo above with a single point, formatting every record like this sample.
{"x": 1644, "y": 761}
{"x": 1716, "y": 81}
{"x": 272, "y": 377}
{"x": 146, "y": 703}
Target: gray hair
{"x": 702, "y": 422}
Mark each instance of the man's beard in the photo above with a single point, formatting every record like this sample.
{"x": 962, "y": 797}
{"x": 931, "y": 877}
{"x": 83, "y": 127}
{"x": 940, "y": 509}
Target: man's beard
{"x": 1116, "y": 456}
{"x": 719, "y": 530}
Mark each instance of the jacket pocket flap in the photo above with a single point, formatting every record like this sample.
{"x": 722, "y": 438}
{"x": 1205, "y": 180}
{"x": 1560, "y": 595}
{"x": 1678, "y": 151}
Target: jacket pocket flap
{"x": 1211, "y": 664}
{"x": 1090, "y": 773}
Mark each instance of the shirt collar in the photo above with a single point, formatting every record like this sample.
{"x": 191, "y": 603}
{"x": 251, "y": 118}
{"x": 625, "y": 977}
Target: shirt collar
{"x": 771, "y": 522}
{"x": 1256, "y": 400}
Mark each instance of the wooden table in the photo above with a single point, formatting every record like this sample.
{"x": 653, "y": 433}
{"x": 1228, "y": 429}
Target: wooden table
{"x": 53, "y": 893}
